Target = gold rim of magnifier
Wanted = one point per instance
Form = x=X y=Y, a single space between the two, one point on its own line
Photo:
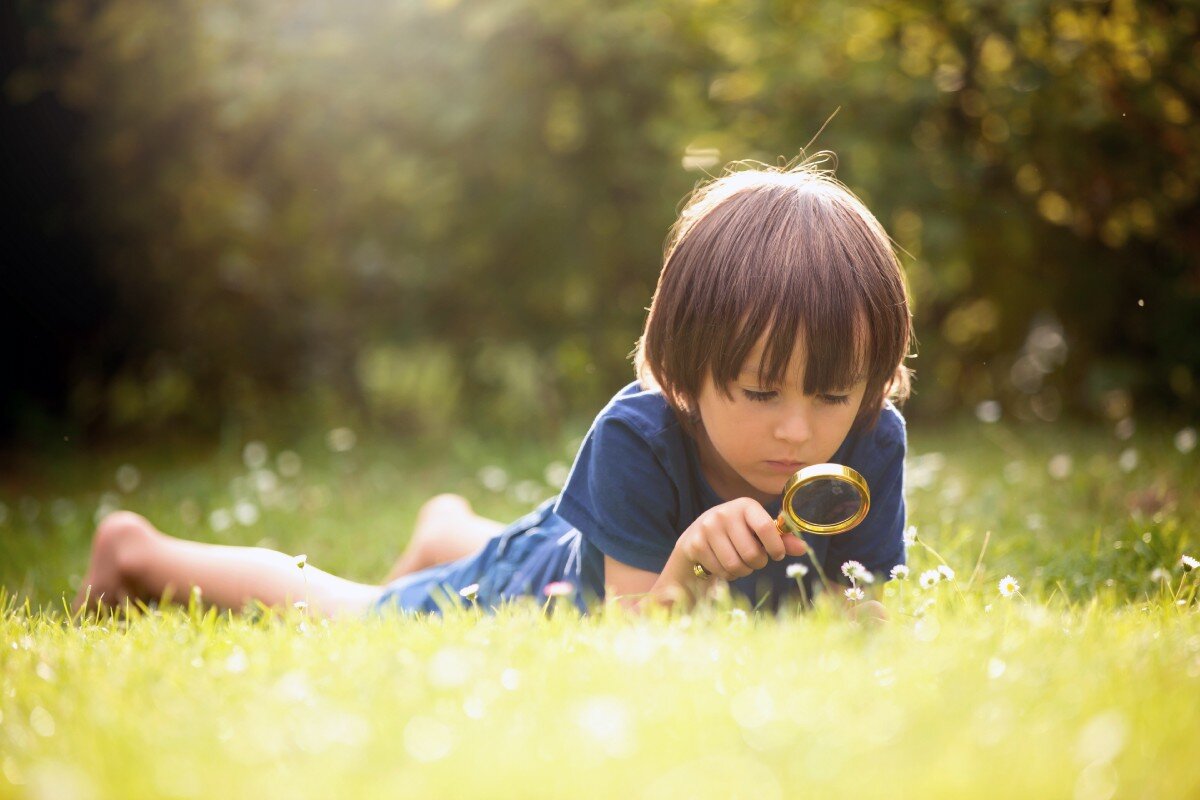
x=806 y=476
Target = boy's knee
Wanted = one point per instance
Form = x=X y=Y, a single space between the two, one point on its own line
x=122 y=539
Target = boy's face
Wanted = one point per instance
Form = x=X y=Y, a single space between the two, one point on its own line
x=756 y=440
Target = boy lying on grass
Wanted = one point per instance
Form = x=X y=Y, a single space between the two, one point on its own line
x=775 y=339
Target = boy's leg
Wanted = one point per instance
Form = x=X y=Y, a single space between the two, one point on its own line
x=131 y=559
x=446 y=530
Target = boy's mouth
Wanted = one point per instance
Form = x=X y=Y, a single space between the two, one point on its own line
x=785 y=466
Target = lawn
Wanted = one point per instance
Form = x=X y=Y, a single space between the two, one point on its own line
x=1084 y=683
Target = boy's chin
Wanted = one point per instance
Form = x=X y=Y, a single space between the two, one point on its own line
x=768 y=489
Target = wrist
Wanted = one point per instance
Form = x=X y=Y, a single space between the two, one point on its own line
x=677 y=582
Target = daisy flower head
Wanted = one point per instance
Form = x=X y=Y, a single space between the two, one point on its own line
x=854 y=593
x=910 y=535
x=945 y=572
x=1009 y=586
x=930 y=578
x=300 y=561
x=855 y=571
x=1158 y=575
x=470 y=591
x=899 y=573
x=796 y=571
x=1188 y=563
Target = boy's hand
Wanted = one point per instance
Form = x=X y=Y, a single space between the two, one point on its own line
x=868 y=611
x=736 y=538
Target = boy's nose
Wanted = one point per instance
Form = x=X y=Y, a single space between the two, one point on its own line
x=793 y=426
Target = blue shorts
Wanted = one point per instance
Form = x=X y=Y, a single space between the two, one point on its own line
x=519 y=561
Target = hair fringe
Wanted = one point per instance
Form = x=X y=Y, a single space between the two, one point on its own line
x=816 y=169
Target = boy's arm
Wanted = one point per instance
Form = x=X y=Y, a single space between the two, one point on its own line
x=740 y=534
x=634 y=588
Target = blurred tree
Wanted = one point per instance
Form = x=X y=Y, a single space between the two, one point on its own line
x=415 y=207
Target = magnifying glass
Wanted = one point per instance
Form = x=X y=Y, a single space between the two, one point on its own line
x=825 y=499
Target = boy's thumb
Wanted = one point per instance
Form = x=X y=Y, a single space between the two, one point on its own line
x=794 y=545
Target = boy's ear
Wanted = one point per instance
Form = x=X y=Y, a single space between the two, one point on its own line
x=684 y=406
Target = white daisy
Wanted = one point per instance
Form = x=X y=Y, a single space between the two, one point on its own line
x=899 y=572
x=796 y=571
x=1188 y=563
x=930 y=578
x=946 y=572
x=855 y=571
x=1009 y=586
x=300 y=560
x=854 y=593
x=910 y=535
x=1158 y=575
x=470 y=592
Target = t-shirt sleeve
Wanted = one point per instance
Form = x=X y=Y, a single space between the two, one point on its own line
x=620 y=497
x=878 y=541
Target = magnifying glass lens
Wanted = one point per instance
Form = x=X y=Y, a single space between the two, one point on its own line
x=826 y=501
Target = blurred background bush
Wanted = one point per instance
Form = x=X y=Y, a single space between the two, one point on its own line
x=452 y=212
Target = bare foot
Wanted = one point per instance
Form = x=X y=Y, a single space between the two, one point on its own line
x=442 y=507
x=433 y=519
x=117 y=548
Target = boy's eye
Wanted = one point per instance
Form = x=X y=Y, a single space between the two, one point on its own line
x=835 y=399
x=761 y=396
x=758 y=397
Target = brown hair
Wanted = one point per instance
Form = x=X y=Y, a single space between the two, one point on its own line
x=787 y=251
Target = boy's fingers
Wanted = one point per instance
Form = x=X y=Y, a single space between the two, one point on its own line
x=749 y=548
x=729 y=562
x=764 y=528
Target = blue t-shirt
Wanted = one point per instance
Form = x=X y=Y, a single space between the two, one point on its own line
x=635 y=486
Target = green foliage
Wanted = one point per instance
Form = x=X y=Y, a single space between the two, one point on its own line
x=283 y=189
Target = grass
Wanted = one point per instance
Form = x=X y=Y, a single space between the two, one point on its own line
x=1086 y=684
